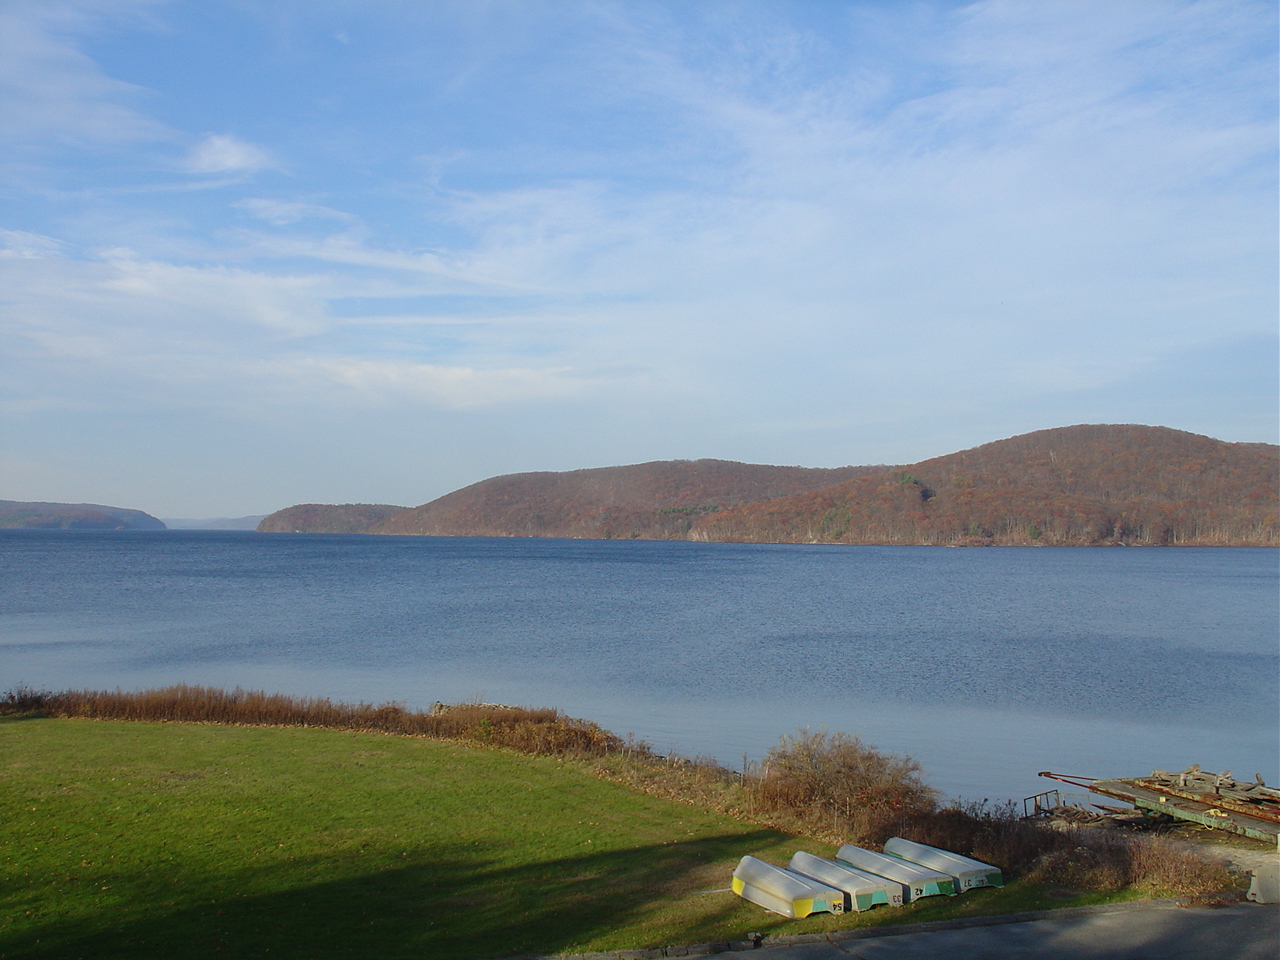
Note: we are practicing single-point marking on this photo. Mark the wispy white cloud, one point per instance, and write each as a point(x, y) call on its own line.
point(136, 328)
point(129, 309)
point(51, 92)
point(221, 153)
point(28, 246)
point(383, 382)
point(284, 212)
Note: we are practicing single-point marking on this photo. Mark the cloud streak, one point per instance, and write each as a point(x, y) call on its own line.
point(220, 153)
point(52, 93)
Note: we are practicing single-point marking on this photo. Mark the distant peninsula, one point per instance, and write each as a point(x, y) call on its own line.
point(1068, 486)
point(23, 515)
point(214, 523)
point(653, 501)
point(329, 518)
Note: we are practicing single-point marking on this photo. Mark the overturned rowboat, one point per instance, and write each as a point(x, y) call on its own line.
point(918, 881)
point(784, 892)
point(862, 890)
point(968, 873)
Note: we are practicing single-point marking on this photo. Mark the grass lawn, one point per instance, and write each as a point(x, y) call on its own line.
point(139, 840)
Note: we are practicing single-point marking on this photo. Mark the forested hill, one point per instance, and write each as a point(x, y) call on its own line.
point(1070, 486)
point(329, 518)
point(659, 500)
point(25, 515)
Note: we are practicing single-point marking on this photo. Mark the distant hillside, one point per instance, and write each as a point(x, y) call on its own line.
point(655, 501)
point(1068, 486)
point(1081, 485)
point(21, 515)
point(215, 523)
point(329, 518)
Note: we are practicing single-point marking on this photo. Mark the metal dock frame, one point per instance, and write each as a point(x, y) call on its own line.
point(1222, 812)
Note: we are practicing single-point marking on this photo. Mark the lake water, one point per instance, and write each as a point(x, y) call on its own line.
point(986, 665)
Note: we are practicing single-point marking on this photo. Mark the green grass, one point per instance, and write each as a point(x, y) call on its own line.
point(138, 840)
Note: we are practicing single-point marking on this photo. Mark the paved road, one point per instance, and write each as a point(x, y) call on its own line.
point(1156, 932)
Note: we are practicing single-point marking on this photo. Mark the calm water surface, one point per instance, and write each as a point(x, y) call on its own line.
point(985, 665)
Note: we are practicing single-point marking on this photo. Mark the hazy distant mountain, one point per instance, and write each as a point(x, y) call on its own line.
point(329, 518)
point(216, 523)
point(1072, 485)
point(18, 514)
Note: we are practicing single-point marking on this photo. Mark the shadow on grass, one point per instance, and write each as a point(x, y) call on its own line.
point(16, 717)
point(460, 904)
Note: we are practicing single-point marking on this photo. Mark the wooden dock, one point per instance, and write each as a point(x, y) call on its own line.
point(1214, 800)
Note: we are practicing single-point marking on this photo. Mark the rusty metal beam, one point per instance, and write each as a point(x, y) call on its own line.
point(1222, 813)
point(1261, 810)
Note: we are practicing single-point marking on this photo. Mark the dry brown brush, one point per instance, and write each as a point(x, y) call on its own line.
point(835, 788)
point(834, 783)
point(1081, 858)
point(536, 731)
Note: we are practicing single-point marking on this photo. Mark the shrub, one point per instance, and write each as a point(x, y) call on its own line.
point(1084, 858)
point(528, 730)
point(834, 780)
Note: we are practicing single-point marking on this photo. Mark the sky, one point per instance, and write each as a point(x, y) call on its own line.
point(255, 254)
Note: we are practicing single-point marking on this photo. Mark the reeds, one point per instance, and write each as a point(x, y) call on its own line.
point(536, 731)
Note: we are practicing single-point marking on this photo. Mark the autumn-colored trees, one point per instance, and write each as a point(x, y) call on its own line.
point(330, 518)
point(658, 501)
point(1073, 485)
point(1089, 484)
point(23, 515)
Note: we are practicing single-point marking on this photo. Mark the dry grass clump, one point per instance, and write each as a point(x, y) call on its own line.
point(833, 782)
point(701, 782)
point(1113, 861)
point(1079, 858)
point(835, 788)
point(829, 786)
point(536, 731)
point(992, 834)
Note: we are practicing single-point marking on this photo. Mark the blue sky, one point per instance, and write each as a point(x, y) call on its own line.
point(261, 253)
